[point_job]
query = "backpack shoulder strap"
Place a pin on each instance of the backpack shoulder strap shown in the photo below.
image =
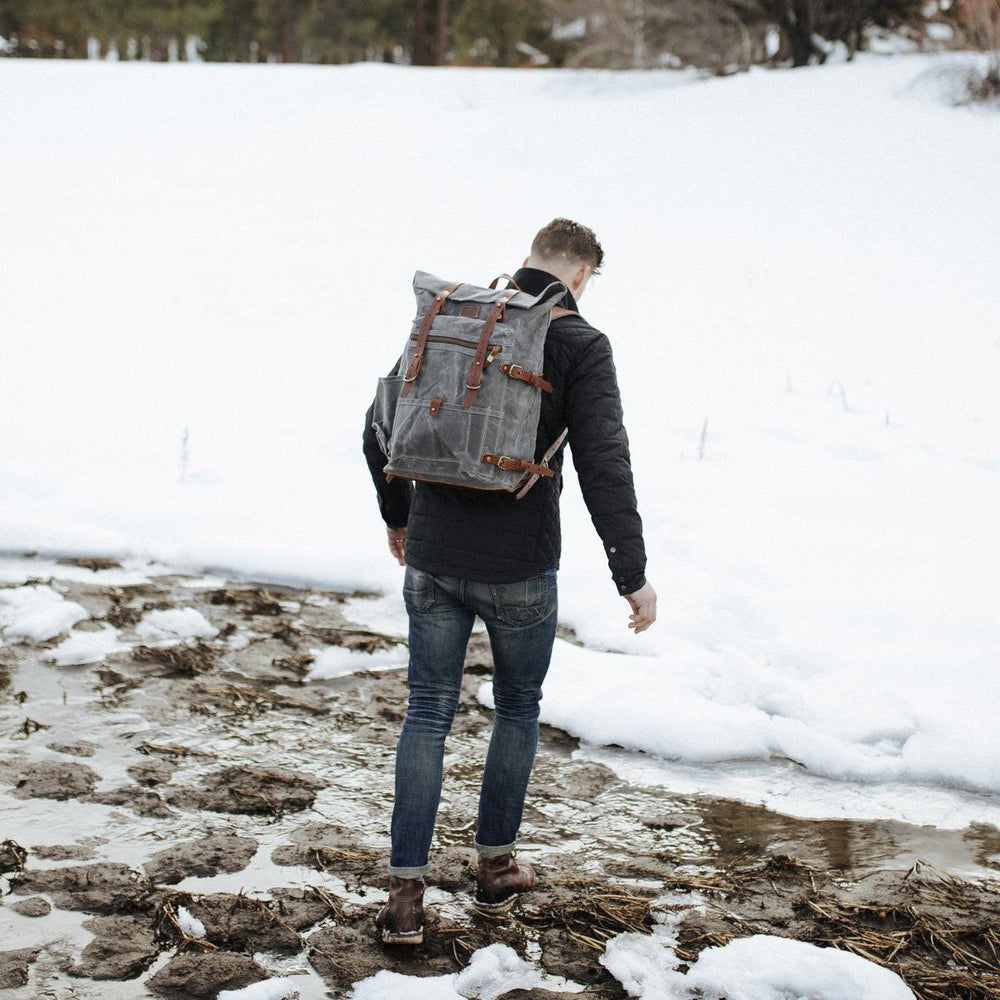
(558, 312)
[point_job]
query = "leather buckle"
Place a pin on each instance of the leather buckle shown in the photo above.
(501, 460)
(516, 371)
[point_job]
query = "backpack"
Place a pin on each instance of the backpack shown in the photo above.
(462, 406)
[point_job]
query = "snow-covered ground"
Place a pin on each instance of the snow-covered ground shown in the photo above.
(204, 268)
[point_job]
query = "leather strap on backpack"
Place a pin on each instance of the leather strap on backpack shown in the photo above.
(546, 458)
(475, 381)
(416, 362)
(558, 312)
(523, 375)
(517, 465)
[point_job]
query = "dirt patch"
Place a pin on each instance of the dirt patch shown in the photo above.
(206, 856)
(141, 801)
(55, 779)
(206, 974)
(75, 748)
(33, 906)
(94, 563)
(177, 661)
(14, 967)
(250, 791)
(123, 948)
(151, 772)
(63, 852)
(104, 887)
(243, 923)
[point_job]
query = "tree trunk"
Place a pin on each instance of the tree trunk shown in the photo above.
(442, 32)
(421, 55)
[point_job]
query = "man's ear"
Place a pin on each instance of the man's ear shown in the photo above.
(581, 276)
(524, 263)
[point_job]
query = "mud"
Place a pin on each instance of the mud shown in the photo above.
(218, 778)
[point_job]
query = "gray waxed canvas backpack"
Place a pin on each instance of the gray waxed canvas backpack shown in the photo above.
(462, 407)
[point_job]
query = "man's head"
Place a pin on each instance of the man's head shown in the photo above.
(569, 251)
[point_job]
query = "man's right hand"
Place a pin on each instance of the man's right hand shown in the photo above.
(397, 544)
(643, 604)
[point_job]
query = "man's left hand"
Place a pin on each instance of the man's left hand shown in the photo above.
(397, 544)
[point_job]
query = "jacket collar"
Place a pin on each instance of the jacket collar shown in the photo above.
(534, 280)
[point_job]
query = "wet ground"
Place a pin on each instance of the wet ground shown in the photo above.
(214, 777)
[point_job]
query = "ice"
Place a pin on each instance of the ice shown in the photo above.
(761, 967)
(36, 613)
(175, 623)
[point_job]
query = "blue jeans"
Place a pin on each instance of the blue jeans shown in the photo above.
(521, 621)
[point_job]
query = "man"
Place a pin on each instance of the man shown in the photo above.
(469, 552)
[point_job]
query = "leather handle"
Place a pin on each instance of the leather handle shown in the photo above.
(512, 282)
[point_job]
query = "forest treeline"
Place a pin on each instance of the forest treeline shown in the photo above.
(718, 35)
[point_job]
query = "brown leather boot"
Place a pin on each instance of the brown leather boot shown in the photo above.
(401, 920)
(499, 882)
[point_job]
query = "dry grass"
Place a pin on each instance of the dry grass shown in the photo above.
(186, 661)
(591, 914)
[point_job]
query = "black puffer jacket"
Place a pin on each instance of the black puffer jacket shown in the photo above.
(495, 538)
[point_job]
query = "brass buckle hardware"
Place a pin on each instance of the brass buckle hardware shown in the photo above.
(501, 460)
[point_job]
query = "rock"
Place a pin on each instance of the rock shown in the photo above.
(55, 779)
(14, 967)
(33, 906)
(104, 887)
(250, 790)
(207, 856)
(204, 974)
(75, 748)
(328, 847)
(584, 781)
(124, 947)
(562, 956)
(152, 772)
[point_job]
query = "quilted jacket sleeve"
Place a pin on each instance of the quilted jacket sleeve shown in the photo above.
(393, 498)
(599, 444)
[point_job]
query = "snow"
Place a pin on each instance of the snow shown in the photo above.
(175, 623)
(492, 971)
(754, 968)
(790, 265)
(85, 647)
(335, 661)
(190, 924)
(36, 613)
(266, 989)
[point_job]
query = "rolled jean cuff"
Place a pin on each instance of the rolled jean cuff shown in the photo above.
(493, 852)
(418, 872)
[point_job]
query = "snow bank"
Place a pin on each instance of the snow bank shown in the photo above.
(175, 623)
(335, 661)
(755, 968)
(36, 613)
(802, 302)
(267, 989)
(85, 647)
(491, 972)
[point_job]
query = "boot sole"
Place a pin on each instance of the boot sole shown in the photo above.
(411, 937)
(489, 909)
